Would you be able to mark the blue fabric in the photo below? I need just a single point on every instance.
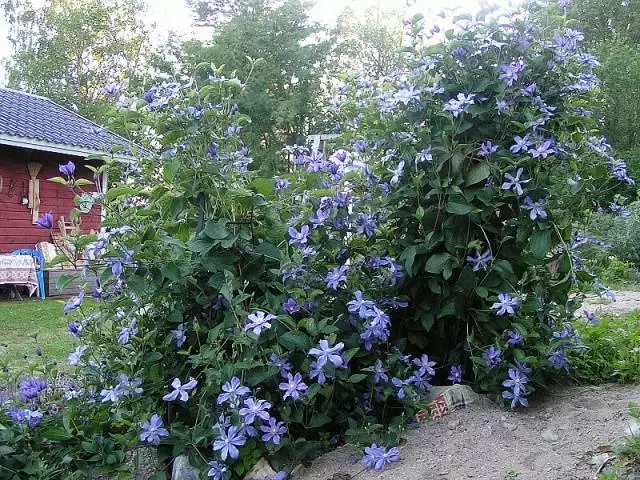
(39, 259)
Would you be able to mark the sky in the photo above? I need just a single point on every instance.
(174, 15)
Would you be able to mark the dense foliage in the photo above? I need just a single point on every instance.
(242, 317)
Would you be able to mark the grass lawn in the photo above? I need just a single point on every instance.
(21, 321)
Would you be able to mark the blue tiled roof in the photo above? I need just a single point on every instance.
(32, 117)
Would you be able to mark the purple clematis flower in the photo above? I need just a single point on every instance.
(516, 183)
(514, 338)
(517, 381)
(487, 148)
(536, 209)
(380, 373)
(153, 430)
(217, 471)
(228, 443)
(336, 276)
(45, 221)
(619, 209)
(360, 305)
(281, 183)
(425, 366)
(545, 149)
(233, 390)
(455, 374)
(180, 391)
(326, 354)
(506, 304)
(74, 303)
(300, 237)
(293, 387)
(259, 321)
(377, 457)
(480, 260)
(558, 360)
(253, 409)
(492, 357)
(282, 363)
(522, 144)
(273, 430)
(67, 170)
(291, 306)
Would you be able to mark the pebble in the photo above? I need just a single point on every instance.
(509, 426)
(549, 435)
(454, 424)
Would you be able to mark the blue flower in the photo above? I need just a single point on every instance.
(360, 305)
(258, 321)
(179, 335)
(400, 384)
(300, 237)
(272, 431)
(281, 183)
(619, 209)
(45, 221)
(360, 146)
(217, 471)
(317, 373)
(336, 276)
(545, 149)
(365, 224)
(255, 408)
(127, 332)
(377, 457)
(536, 209)
(153, 430)
(558, 360)
(180, 391)
(326, 354)
(459, 105)
(112, 88)
(112, 394)
(221, 303)
(487, 148)
(233, 391)
(406, 95)
(380, 373)
(293, 387)
(506, 304)
(509, 73)
(517, 381)
(591, 317)
(515, 399)
(228, 442)
(492, 357)
(291, 306)
(514, 338)
(481, 260)
(529, 90)
(282, 364)
(516, 183)
(455, 374)
(424, 155)
(29, 416)
(30, 388)
(76, 356)
(425, 366)
(522, 144)
(212, 151)
(74, 303)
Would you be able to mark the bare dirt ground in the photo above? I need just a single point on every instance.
(626, 302)
(562, 436)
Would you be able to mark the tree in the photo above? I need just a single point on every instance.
(369, 43)
(283, 88)
(69, 49)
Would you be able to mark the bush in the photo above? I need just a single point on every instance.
(611, 350)
(242, 317)
(622, 233)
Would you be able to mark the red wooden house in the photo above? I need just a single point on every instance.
(36, 135)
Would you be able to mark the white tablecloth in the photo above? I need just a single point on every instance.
(19, 270)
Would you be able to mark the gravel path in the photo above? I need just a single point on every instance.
(555, 439)
(626, 302)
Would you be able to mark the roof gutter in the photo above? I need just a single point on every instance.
(33, 144)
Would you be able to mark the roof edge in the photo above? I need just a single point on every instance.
(33, 144)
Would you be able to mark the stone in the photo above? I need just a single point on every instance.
(509, 426)
(260, 470)
(549, 435)
(633, 429)
(183, 470)
(454, 424)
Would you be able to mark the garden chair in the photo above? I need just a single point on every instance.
(39, 259)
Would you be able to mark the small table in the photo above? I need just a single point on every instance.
(20, 271)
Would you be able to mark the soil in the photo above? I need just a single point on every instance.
(565, 434)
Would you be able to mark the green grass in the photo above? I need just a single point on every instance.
(27, 323)
(612, 350)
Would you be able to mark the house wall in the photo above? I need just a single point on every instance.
(16, 228)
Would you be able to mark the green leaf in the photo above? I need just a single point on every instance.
(5, 450)
(295, 339)
(408, 256)
(81, 182)
(319, 420)
(540, 243)
(458, 207)
(54, 433)
(269, 250)
(216, 230)
(436, 262)
(478, 173)
(60, 180)
(122, 191)
(357, 378)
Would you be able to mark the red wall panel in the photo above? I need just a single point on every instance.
(16, 229)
